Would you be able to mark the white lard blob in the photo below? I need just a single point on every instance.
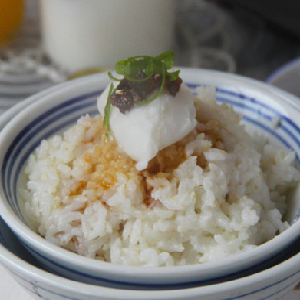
(146, 129)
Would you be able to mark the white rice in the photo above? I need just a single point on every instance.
(226, 196)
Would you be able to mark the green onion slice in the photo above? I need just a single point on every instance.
(131, 67)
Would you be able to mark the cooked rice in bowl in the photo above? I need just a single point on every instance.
(212, 194)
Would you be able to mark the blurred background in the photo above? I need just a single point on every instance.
(253, 38)
(247, 37)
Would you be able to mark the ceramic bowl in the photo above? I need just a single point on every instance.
(287, 77)
(271, 280)
(275, 281)
(52, 110)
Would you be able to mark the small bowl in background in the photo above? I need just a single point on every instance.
(287, 77)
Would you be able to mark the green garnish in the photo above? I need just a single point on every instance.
(132, 67)
(107, 109)
(150, 65)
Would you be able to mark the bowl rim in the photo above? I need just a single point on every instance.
(40, 243)
(281, 71)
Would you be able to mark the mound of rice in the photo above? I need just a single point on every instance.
(208, 196)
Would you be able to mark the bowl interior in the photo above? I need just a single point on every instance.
(51, 121)
(264, 110)
(273, 120)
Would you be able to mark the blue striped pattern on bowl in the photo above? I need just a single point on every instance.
(257, 115)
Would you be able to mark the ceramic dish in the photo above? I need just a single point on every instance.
(271, 284)
(24, 71)
(61, 106)
(287, 77)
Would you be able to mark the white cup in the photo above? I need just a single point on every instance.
(81, 34)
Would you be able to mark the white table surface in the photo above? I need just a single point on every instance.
(10, 290)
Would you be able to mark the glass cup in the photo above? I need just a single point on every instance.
(11, 16)
(86, 34)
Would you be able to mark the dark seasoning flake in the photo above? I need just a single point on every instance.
(130, 92)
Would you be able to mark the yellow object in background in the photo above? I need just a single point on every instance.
(11, 16)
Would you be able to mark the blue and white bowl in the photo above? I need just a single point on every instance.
(273, 283)
(53, 110)
(287, 77)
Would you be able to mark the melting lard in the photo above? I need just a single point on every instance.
(141, 130)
